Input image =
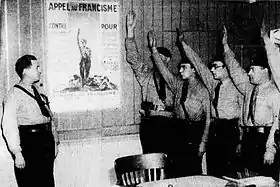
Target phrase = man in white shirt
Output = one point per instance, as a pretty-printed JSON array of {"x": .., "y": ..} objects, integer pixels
[
  {"x": 260, "y": 110},
  {"x": 27, "y": 127}
]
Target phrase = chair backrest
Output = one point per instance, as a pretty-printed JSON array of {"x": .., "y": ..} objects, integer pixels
[{"x": 136, "y": 169}]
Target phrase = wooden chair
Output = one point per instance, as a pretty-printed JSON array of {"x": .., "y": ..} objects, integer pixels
[{"x": 136, "y": 169}]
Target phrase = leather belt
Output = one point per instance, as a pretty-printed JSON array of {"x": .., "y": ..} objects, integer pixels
[
  {"x": 44, "y": 127},
  {"x": 261, "y": 129},
  {"x": 225, "y": 120},
  {"x": 161, "y": 113}
]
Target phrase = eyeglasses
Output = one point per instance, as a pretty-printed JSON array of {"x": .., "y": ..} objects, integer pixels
[{"x": 216, "y": 66}]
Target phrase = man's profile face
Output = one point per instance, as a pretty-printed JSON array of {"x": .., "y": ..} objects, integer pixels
[
  {"x": 186, "y": 71},
  {"x": 34, "y": 71},
  {"x": 218, "y": 70},
  {"x": 256, "y": 74}
]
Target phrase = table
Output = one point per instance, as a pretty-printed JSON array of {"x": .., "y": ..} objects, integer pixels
[
  {"x": 209, "y": 181},
  {"x": 190, "y": 181}
]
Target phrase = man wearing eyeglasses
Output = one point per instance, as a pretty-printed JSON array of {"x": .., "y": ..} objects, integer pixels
[
  {"x": 225, "y": 133},
  {"x": 260, "y": 110}
]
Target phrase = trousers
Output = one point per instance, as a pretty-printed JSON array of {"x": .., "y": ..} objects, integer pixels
[
  {"x": 221, "y": 158},
  {"x": 185, "y": 138},
  {"x": 154, "y": 134},
  {"x": 253, "y": 150},
  {"x": 38, "y": 150}
]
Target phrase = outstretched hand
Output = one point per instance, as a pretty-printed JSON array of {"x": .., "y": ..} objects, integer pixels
[
  {"x": 151, "y": 39},
  {"x": 224, "y": 41},
  {"x": 263, "y": 30},
  {"x": 131, "y": 20},
  {"x": 180, "y": 35}
]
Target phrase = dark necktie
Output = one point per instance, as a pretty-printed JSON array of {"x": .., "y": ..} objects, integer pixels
[
  {"x": 184, "y": 98},
  {"x": 40, "y": 102},
  {"x": 184, "y": 92},
  {"x": 162, "y": 92},
  {"x": 160, "y": 86},
  {"x": 252, "y": 105},
  {"x": 215, "y": 100}
]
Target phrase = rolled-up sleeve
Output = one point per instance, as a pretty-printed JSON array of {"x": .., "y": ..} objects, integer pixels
[{"x": 9, "y": 123}]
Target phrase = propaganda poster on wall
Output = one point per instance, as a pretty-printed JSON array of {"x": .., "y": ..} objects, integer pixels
[{"x": 83, "y": 54}]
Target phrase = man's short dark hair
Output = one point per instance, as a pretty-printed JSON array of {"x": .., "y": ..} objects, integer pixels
[
  {"x": 23, "y": 63},
  {"x": 185, "y": 60},
  {"x": 164, "y": 51}
]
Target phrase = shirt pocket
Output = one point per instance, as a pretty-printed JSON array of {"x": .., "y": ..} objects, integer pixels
[
  {"x": 263, "y": 110},
  {"x": 261, "y": 103}
]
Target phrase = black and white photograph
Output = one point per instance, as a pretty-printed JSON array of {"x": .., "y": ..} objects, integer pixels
[{"x": 140, "y": 93}]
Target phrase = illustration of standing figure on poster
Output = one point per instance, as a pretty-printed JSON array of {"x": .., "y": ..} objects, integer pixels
[{"x": 83, "y": 68}]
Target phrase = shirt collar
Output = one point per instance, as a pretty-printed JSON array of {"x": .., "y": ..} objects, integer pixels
[
  {"x": 226, "y": 81},
  {"x": 264, "y": 85}
]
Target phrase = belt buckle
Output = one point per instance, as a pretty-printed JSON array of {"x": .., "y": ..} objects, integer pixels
[
  {"x": 261, "y": 129},
  {"x": 248, "y": 129},
  {"x": 33, "y": 130}
]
